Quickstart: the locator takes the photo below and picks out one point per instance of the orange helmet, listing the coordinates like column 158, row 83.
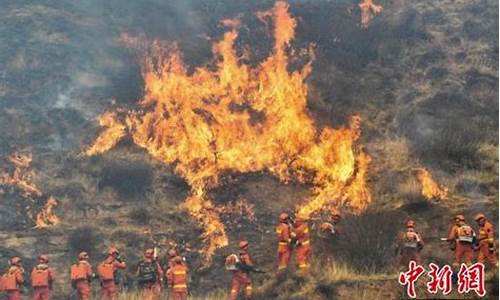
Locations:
column 410, row 223
column 283, row 217
column 326, row 227
column 113, row 251
column 148, row 253
column 172, row 253
column 243, row 244
column 43, row 258
column 177, row 259
column 83, row 255
column 479, row 217
column 460, row 217
column 15, row 260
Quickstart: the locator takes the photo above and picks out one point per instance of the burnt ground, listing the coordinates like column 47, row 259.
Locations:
column 423, row 76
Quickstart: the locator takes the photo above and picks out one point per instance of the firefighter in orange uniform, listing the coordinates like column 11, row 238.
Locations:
column 81, row 275
column 410, row 244
column 462, row 239
column 329, row 232
column 172, row 253
column 241, row 277
column 42, row 278
column 177, row 279
column 284, row 232
column 150, row 275
column 486, row 241
column 106, row 271
column 13, row 279
column 302, row 235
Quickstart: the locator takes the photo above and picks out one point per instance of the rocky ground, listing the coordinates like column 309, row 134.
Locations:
column 423, row 76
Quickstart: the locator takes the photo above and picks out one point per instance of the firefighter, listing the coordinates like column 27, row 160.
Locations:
column 13, row 279
column 303, row 253
column 172, row 253
column 486, row 240
column 328, row 232
column 177, row 279
column 284, row 232
column 241, row 276
column 149, row 275
column 462, row 239
column 42, row 278
column 107, row 274
column 410, row 244
column 81, row 275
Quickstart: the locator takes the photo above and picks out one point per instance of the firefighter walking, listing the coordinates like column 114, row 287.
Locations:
column 149, row 275
column 107, row 272
column 462, row 239
column 410, row 243
column 177, row 279
column 241, row 277
column 486, row 238
column 303, row 250
column 13, row 279
column 42, row 278
column 284, row 233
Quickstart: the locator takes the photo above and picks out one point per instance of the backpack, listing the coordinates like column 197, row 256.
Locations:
column 106, row 271
column 9, row 282
column 410, row 240
column 40, row 277
column 231, row 263
column 465, row 234
column 78, row 271
column 148, row 272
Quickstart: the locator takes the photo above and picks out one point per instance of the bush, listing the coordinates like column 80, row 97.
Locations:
column 367, row 242
column 131, row 180
column 456, row 141
column 140, row 216
column 85, row 238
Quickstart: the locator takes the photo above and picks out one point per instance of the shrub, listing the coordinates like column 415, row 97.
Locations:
column 85, row 238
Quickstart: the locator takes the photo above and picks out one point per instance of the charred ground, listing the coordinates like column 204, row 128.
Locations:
column 423, row 76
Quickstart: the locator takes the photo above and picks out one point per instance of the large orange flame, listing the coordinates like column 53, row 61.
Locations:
column 235, row 118
column 430, row 189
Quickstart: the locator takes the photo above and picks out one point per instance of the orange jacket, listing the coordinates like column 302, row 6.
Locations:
column 486, row 232
column 82, row 270
column 302, row 234
column 177, row 277
column 107, row 268
column 410, row 239
column 13, row 278
column 284, row 235
column 42, row 276
column 454, row 233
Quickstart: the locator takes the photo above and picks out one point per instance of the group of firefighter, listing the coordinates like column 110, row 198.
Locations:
column 292, row 235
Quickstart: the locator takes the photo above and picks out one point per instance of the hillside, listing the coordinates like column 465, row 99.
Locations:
column 423, row 77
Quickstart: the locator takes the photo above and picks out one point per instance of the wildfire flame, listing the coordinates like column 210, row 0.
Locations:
column 235, row 118
column 47, row 217
column 21, row 178
column 430, row 189
column 368, row 11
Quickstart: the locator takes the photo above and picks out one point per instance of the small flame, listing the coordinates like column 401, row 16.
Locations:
column 21, row 178
column 431, row 189
column 47, row 217
column 233, row 117
column 368, row 11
